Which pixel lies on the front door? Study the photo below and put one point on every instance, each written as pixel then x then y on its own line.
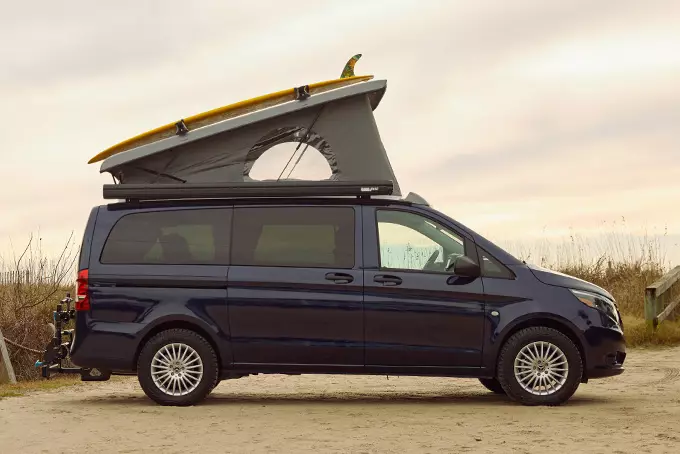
pixel 295 287
pixel 416 313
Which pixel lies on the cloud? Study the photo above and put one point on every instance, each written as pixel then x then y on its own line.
pixel 516 117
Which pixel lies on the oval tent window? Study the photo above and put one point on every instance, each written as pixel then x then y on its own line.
pixel 312 165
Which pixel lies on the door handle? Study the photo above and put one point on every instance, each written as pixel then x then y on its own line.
pixel 339 278
pixel 385 279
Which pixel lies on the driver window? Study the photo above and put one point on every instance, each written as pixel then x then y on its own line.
pixel 412 242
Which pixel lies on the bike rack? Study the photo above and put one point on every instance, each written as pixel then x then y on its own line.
pixel 58 350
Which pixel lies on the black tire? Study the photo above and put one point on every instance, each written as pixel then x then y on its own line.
pixel 512 347
pixel 208 358
pixel 492 385
pixel 216 384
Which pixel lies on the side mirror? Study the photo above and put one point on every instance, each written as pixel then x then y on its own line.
pixel 465 267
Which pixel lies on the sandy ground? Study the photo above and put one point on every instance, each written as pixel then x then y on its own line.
pixel 638 411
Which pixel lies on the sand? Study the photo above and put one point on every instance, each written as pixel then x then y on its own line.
pixel 638 411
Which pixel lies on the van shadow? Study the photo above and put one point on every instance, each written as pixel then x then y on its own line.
pixel 348 399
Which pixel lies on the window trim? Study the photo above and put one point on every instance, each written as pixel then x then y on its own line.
pixel 480 252
pixel 355 216
pixel 227 225
pixel 467 243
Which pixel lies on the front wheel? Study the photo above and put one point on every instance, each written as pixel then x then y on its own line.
pixel 177 367
pixel 540 366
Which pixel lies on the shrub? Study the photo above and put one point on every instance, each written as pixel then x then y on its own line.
pixel 30 288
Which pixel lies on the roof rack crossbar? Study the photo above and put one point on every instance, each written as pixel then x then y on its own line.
pixel 138 192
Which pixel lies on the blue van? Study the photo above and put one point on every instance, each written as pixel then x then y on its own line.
pixel 185 291
pixel 198 272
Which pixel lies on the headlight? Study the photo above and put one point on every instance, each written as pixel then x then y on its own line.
pixel 598 302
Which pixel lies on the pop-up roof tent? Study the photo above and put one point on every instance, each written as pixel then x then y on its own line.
pixel 339 123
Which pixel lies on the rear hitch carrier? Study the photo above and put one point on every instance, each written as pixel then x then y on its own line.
pixel 58 350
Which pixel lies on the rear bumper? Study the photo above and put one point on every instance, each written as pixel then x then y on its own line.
pixel 108 346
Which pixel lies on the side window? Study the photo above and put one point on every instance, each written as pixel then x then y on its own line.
pixel 178 237
pixel 412 242
pixel 493 268
pixel 310 237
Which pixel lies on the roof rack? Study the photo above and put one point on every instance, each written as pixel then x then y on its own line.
pixel 138 192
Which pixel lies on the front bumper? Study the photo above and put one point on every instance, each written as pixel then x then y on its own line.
pixel 613 365
pixel 605 353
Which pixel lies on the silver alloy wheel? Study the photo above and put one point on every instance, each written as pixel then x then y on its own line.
pixel 176 369
pixel 541 368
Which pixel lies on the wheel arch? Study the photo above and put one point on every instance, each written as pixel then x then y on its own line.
pixel 178 324
pixel 557 323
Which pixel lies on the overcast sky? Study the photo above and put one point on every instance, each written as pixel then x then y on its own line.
pixel 525 119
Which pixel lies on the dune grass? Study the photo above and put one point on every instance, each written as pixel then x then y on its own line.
pixel 637 334
pixel 31 285
pixel 624 265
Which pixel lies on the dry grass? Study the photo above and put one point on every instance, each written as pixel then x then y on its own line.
pixel 637 335
pixel 27 301
pixel 28 327
pixel 24 387
pixel 622 264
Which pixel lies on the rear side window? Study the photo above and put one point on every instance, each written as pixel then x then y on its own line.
pixel 178 237
pixel 309 237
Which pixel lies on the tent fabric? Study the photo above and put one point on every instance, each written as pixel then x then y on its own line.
pixel 344 131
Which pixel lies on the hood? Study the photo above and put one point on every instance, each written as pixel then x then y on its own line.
pixel 558 279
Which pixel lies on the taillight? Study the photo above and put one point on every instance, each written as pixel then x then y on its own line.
pixel 82 298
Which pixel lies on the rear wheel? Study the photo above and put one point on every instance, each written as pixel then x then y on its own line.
pixel 177 367
pixel 540 366
pixel 492 385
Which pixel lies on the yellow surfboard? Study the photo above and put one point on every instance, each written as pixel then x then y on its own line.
pixel 223 113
